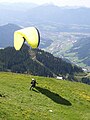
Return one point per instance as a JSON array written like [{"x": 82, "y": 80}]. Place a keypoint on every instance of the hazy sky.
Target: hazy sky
[{"x": 57, "y": 2}]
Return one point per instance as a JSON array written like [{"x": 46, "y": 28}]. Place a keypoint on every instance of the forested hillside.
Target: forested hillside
[{"x": 36, "y": 62}]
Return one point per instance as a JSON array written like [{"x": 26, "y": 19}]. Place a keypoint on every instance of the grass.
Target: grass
[{"x": 51, "y": 100}]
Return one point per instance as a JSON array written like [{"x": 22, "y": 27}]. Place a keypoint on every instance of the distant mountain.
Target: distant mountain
[
  {"x": 7, "y": 34},
  {"x": 36, "y": 62},
  {"x": 52, "y": 13},
  {"x": 14, "y": 12},
  {"x": 28, "y": 13}
]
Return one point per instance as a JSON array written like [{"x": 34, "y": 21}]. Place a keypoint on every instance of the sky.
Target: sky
[{"x": 84, "y": 3}]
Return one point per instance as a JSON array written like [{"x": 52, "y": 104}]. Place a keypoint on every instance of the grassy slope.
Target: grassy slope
[{"x": 51, "y": 100}]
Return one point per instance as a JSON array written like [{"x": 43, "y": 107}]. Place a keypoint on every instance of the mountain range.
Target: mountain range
[
  {"x": 27, "y": 13},
  {"x": 52, "y": 13}
]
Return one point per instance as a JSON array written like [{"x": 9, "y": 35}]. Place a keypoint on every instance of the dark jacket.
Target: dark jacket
[{"x": 33, "y": 83}]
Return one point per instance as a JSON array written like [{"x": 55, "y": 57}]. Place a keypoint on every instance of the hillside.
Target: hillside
[
  {"x": 51, "y": 100},
  {"x": 35, "y": 61},
  {"x": 76, "y": 50}
]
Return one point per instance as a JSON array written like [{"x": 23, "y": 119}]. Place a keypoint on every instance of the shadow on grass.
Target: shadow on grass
[
  {"x": 53, "y": 96},
  {"x": 35, "y": 90}
]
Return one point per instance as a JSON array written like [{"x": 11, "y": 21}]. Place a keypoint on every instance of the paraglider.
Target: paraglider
[
  {"x": 30, "y": 35},
  {"x": 33, "y": 84}
]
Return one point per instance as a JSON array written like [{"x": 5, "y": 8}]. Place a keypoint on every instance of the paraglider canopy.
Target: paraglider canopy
[{"x": 29, "y": 34}]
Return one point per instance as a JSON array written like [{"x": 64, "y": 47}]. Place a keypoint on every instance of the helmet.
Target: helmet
[{"x": 32, "y": 78}]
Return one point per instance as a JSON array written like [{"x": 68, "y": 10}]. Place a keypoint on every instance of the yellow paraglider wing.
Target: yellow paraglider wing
[{"x": 30, "y": 34}]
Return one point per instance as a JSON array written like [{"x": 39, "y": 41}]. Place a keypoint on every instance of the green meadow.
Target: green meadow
[{"x": 52, "y": 99}]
